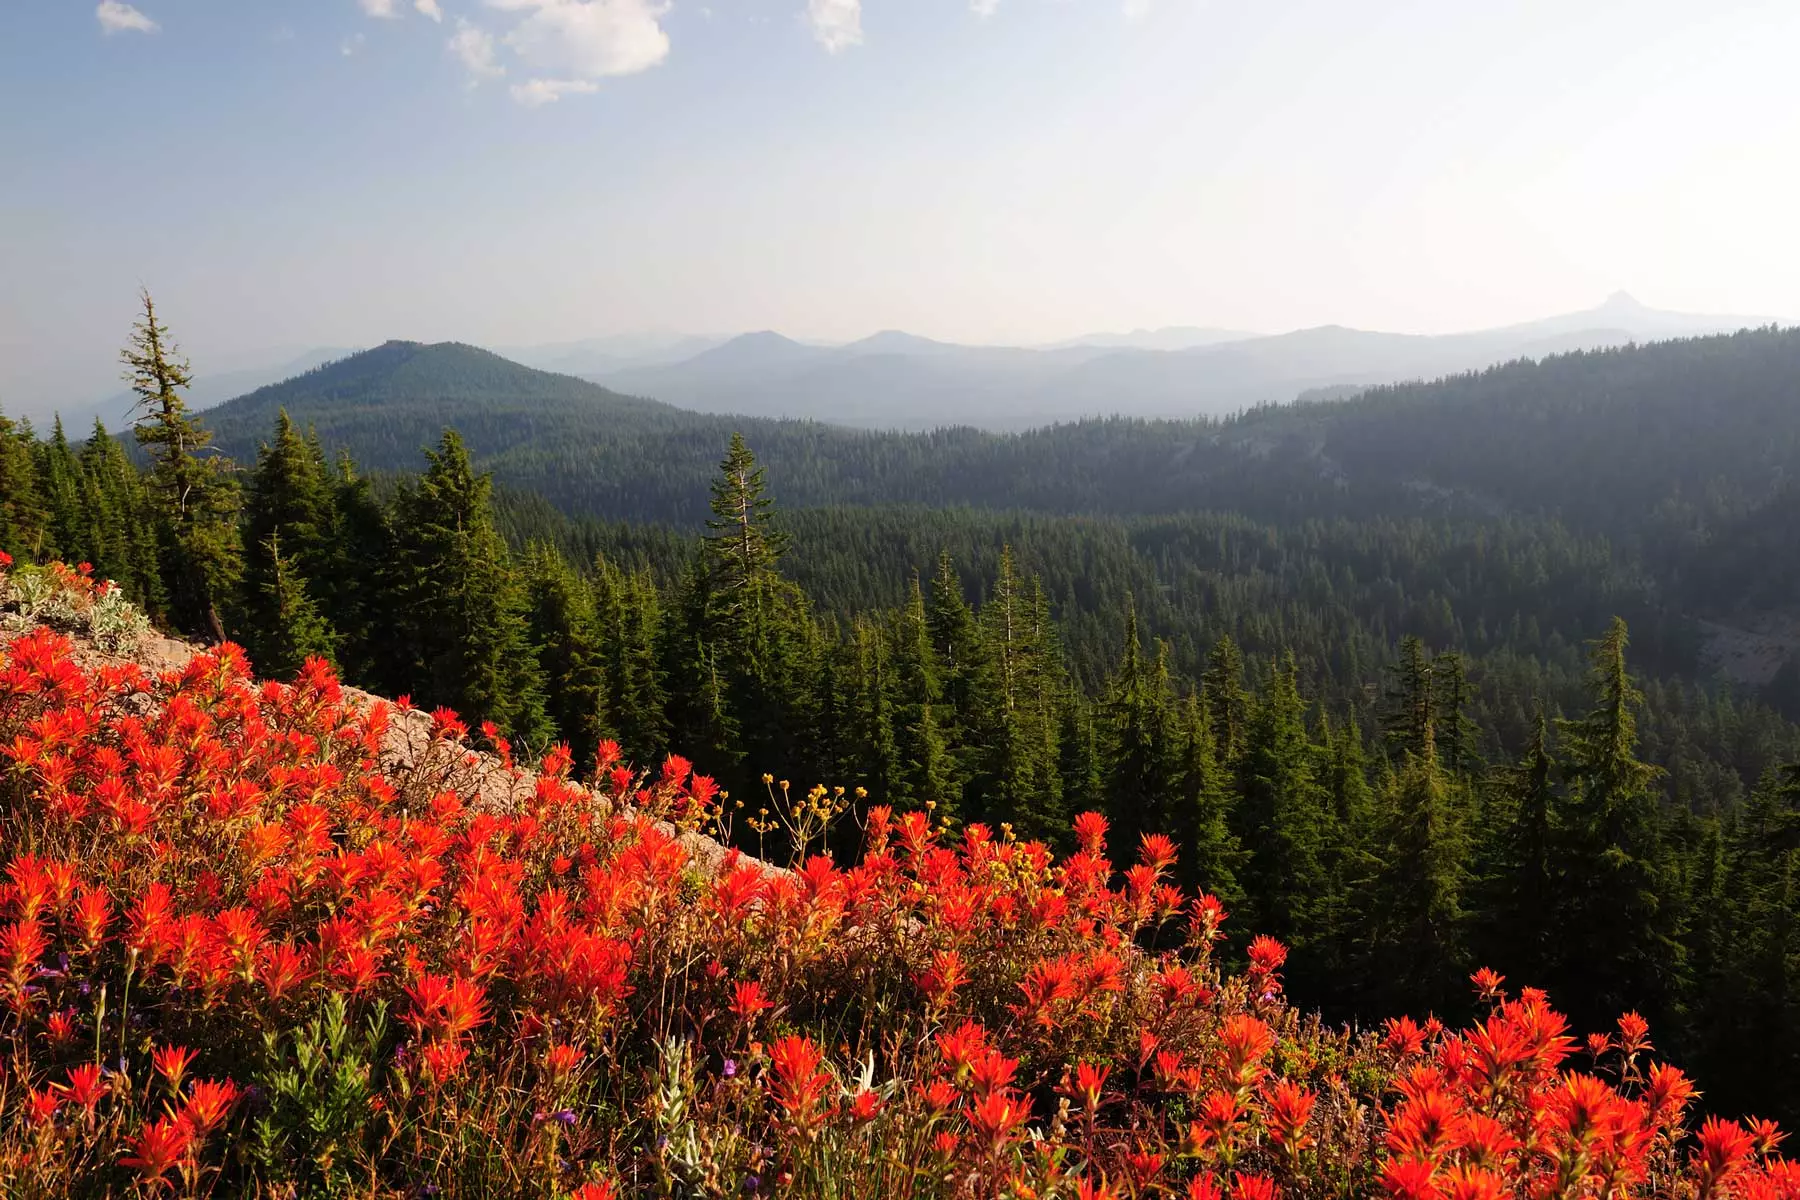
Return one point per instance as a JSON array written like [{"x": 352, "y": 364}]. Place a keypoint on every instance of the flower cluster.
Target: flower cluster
[{"x": 249, "y": 941}]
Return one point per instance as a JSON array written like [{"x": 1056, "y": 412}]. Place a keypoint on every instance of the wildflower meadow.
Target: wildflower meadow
[{"x": 253, "y": 942}]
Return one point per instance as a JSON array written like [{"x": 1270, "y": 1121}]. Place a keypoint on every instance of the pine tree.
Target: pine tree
[
  {"x": 628, "y": 611},
  {"x": 1281, "y": 817},
  {"x": 119, "y": 531},
  {"x": 458, "y": 621},
  {"x": 964, "y": 677},
  {"x": 61, "y": 482},
  {"x": 23, "y": 518},
  {"x": 1523, "y": 904},
  {"x": 1411, "y": 706},
  {"x": 1753, "y": 1012},
  {"x": 1456, "y": 733},
  {"x": 292, "y": 629},
  {"x": 354, "y": 576},
  {"x": 1212, "y": 855},
  {"x": 196, "y": 496},
  {"x": 1618, "y": 947},
  {"x": 288, "y": 519},
  {"x": 1415, "y": 927},
  {"x": 1224, "y": 700},
  {"x": 924, "y": 775},
  {"x": 1141, "y": 766},
  {"x": 563, "y": 629}
]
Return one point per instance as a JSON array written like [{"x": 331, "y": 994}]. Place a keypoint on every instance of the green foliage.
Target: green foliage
[
  {"x": 196, "y": 498},
  {"x": 457, "y": 618},
  {"x": 319, "y": 1131}
]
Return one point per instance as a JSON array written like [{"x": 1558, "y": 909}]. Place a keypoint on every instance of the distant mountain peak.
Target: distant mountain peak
[{"x": 1622, "y": 302}]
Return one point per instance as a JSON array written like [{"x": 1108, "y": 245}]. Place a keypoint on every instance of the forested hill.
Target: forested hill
[{"x": 1654, "y": 445}]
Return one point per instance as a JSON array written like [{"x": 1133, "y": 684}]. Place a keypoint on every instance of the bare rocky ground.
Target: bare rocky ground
[{"x": 1749, "y": 648}]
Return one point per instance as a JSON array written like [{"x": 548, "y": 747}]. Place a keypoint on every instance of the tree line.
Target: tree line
[{"x": 1394, "y": 844}]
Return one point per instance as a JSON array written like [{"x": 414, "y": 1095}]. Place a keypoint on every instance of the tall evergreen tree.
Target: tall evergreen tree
[
  {"x": 23, "y": 518},
  {"x": 288, "y": 518},
  {"x": 924, "y": 768},
  {"x": 1225, "y": 701},
  {"x": 459, "y": 634},
  {"x": 1141, "y": 764},
  {"x": 1618, "y": 946},
  {"x": 196, "y": 495},
  {"x": 1212, "y": 855},
  {"x": 290, "y": 627},
  {"x": 563, "y": 628}
]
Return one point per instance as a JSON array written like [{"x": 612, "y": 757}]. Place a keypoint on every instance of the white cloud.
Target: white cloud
[
  {"x": 430, "y": 8},
  {"x": 536, "y": 92},
  {"x": 983, "y": 8},
  {"x": 836, "y": 24},
  {"x": 475, "y": 47},
  {"x": 1137, "y": 8},
  {"x": 381, "y": 8},
  {"x": 583, "y": 40},
  {"x": 116, "y": 17},
  {"x": 350, "y": 45}
]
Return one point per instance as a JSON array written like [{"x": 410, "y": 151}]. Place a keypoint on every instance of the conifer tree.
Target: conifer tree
[
  {"x": 23, "y": 518},
  {"x": 288, "y": 518},
  {"x": 1224, "y": 700},
  {"x": 924, "y": 776},
  {"x": 61, "y": 482},
  {"x": 1753, "y": 1014},
  {"x": 290, "y": 627},
  {"x": 1281, "y": 816},
  {"x": 879, "y": 750},
  {"x": 120, "y": 534},
  {"x": 964, "y": 668},
  {"x": 1141, "y": 767},
  {"x": 1415, "y": 927},
  {"x": 1618, "y": 946},
  {"x": 628, "y": 612},
  {"x": 563, "y": 629},
  {"x": 458, "y": 630},
  {"x": 196, "y": 497},
  {"x": 1523, "y": 906},
  {"x": 353, "y": 569},
  {"x": 1212, "y": 855},
  {"x": 1409, "y": 720}
]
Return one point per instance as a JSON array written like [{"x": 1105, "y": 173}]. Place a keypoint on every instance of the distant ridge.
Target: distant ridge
[{"x": 899, "y": 380}]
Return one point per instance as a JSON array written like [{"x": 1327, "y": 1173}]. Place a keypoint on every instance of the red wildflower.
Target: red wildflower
[
  {"x": 864, "y": 1106},
  {"x": 158, "y": 1147},
  {"x": 748, "y": 1000},
  {"x": 1090, "y": 832},
  {"x": 996, "y": 1115},
  {"x": 562, "y": 1059},
  {"x": 1410, "y": 1179},
  {"x": 1254, "y": 1187},
  {"x": 207, "y": 1104},
  {"x": 1290, "y": 1107},
  {"x": 799, "y": 1081},
  {"x": 171, "y": 1062},
  {"x": 1243, "y": 1041},
  {"x": 1723, "y": 1150},
  {"x": 85, "y": 1086}
]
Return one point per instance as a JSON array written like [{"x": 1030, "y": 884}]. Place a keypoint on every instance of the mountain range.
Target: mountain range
[{"x": 899, "y": 381}]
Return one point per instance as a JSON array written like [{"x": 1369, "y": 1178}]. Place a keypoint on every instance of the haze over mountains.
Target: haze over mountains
[{"x": 898, "y": 380}]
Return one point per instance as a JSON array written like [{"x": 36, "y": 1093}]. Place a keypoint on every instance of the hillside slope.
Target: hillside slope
[{"x": 250, "y": 953}]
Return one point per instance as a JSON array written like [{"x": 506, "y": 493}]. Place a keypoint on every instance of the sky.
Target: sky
[{"x": 284, "y": 174}]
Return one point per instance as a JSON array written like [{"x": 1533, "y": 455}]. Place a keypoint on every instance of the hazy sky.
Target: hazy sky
[{"x": 289, "y": 173}]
